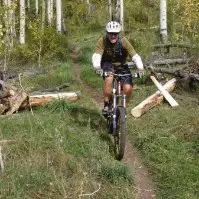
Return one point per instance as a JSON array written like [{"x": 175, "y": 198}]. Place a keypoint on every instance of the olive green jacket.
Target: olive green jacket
[{"x": 115, "y": 53}]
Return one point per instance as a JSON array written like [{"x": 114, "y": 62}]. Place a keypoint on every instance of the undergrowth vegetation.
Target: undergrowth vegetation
[
  {"x": 167, "y": 138},
  {"x": 60, "y": 150}
]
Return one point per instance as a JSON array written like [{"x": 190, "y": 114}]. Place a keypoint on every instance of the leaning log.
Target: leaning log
[
  {"x": 164, "y": 92},
  {"x": 152, "y": 100},
  {"x": 41, "y": 100}
]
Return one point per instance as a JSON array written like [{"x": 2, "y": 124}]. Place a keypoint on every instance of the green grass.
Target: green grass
[
  {"x": 61, "y": 150},
  {"x": 166, "y": 138}
]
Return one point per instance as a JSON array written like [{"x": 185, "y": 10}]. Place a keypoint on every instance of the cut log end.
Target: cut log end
[
  {"x": 136, "y": 112},
  {"x": 153, "y": 100}
]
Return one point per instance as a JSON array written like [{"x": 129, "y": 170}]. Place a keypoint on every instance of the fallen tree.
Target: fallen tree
[
  {"x": 41, "y": 100},
  {"x": 153, "y": 100},
  {"x": 13, "y": 100},
  {"x": 177, "y": 72},
  {"x": 164, "y": 92},
  {"x": 168, "y": 61}
]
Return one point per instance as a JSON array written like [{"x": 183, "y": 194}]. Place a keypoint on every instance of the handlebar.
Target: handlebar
[
  {"x": 138, "y": 74},
  {"x": 129, "y": 65}
]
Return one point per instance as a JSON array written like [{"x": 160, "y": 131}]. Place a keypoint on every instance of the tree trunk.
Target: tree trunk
[
  {"x": 36, "y": 8},
  {"x": 169, "y": 61},
  {"x": 43, "y": 14},
  {"x": 152, "y": 100},
  {"x": 164, "y": 92},
  {"x": 163, "y": 20},
  {"x": 40, "y": 100},
  {"x": 110, "y": 10},
  {"x": 58, "y": 15},
  {"x": 22, "y": 22},
  {"x": 50, "y": 11},
  {"x": 177, "y": 72}
]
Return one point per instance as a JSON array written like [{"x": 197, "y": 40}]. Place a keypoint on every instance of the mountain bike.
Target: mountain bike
[{"x": 116, "y": 116}]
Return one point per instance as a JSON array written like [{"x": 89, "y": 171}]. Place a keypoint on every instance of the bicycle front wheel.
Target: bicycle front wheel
[{"x": 120, "y": 135}]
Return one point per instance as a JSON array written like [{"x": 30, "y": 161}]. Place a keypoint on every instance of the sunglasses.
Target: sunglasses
[{"x": 113, "y": 34}]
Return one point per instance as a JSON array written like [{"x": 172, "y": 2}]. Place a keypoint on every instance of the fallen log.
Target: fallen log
[
  {"x": 15, "y": 102},
  {"x": 177, "y": 72},
  {"x": 152, "y": 100},
  {"x": 21, "y": 101},
  {"x": 40, "y": 100},
  {"x": 164, "y": 92},
  {"x": 6, "y": 93},
  {"x": 169, "y": 45},
  {"x": 168, "y": 61}
]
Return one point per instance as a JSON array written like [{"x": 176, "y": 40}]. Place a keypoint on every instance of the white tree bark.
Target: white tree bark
[
  {"x": 58, "y": 15},
  {"x": 89, "y": 6},
  {"x": 28, "y": 4},
  {"x": 43, "y": 14},
  {"x": 9, "y": 24},
  {"x": 110, "y": 10},
  {"x": 163, "y": 20},
  {"x": 120, "y": 12},
  {"x": 153, "y": 100},
  {"x": 50, "y": 11},
  {"x": 22, "y": 22},
  {"x": 36, "y": 8}
]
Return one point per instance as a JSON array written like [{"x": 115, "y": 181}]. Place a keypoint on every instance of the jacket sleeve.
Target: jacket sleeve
[
  {"x": 97, "y": 56},
  {"x": 134, "y": 56}
]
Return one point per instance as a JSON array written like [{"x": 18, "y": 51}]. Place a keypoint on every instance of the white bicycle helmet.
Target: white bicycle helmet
[{"x": 113, "y": 27}]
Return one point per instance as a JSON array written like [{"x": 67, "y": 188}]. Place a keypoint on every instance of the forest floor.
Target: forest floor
[{"x": 144, "y": 186}]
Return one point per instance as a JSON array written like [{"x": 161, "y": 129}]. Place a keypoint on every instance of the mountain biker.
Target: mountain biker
[{"x": 110, "y": 55}]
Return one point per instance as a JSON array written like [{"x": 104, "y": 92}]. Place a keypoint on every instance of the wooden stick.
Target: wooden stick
[
  {"x": 164, "y": 92},
  {"x": 1, "y": 161},
  {"x": 153, "y": 100}
]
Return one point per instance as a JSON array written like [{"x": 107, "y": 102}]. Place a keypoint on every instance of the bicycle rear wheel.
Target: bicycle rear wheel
[{"x": 120, "y": 135}]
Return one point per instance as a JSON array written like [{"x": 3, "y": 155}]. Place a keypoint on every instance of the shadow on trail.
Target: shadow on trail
[{"x": 84, "y": 116}]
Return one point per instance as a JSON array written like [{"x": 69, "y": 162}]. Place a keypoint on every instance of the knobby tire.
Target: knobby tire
[{"x": 120, "y": 136}]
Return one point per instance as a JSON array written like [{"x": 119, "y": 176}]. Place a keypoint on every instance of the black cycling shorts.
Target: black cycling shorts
[{"x": 123, "y": 69}]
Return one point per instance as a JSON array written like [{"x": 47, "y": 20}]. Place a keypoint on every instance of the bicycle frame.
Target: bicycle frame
[
  {"x": 118, "y": 98},
  {"x": 116, "y": 117}
]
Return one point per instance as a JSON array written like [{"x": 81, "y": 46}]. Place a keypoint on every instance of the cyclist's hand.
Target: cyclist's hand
[{"x": 108, "y": 73}]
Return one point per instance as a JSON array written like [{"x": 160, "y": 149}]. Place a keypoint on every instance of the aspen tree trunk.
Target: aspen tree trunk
[
  {"x": 89, "y": 6},
  {"x": 8, "y": 39},
  {"x": 22, "y": 22},
  {"x": 63, "y": 24},
  {"x": 120, "y": 12},
  {"x": 36, "y": 8},
  {"x": 110, "y": 10},
  {"x": 58, "y": 16},
  {"x": 50, "y": 11},
  {"x": 13, "y": 24},
  {"x": 117, "y": 10},
  {"x": 28, "y": 4},
  {"x": 43, "y": 14},
  {"x": 163, "y": 20}
]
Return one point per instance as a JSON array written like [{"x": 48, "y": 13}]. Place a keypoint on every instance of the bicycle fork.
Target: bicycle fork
[{"x": 117, "y": 95}]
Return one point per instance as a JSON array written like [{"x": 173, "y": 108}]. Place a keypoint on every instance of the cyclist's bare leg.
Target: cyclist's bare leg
[
  {"x": 128, "y": 91},
  {"x": 107, "y": 88}
]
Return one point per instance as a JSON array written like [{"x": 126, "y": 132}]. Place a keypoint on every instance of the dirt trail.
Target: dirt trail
[{"x": 144, "y": 185}]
